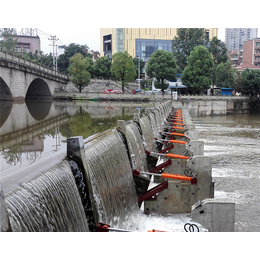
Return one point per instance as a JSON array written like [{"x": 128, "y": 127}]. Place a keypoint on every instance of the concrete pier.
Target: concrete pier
[
  {"x": 181, "y": 195},
  {"x": 217, "y": 215},
  {"x": 4, "y": 218},
  {"x": 76, "y": 152}
]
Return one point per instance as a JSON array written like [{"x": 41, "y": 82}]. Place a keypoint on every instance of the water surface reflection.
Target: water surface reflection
[{"x": 35, "y": 133}]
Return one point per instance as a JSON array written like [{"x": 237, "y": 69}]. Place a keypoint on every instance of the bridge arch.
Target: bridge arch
[
  {"x": 5, "y": 92},
  {"x": 38, "y": 89}
]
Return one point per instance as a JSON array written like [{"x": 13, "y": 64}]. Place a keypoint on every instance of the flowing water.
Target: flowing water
[
  {"x": 38, "y": 205},
  {"x": 233, "y": 143},
  {"x": 149, "y": 143},
  {"x": 112, "y": 181},
  {"x": 136, "y": 148}
]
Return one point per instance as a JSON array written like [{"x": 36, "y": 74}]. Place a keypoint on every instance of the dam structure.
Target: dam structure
[{"x": 154, "y": 161}]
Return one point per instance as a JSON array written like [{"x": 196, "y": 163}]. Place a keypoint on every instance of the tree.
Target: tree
[
  {"x": 91, "y": 68},
  {"x": 9, "y": 40},
  {"x": 197, "y": 75},
  {"x": 184, "y": 43},
  {"x": 102, "y": 68},
  {"x": 123, "y": 68},
  {"x": 218, "y": 50},
  {"x": 78, "y": 71},
  {"x": 251, "y": 82},
  {"x": 225, "y": 75},
  {"x": 162, "y": 66},
  {"x": 70, "y": 51}
]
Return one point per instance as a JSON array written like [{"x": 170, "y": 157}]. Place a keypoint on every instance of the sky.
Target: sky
[{"x": 80, "y": 21}]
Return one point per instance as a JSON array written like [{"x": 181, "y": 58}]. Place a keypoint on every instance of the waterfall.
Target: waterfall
[
  {"x": 49, "y": 202},
  {"x": 158, "y": 117},
  {"x": 112, "y": 182},
  {"x": 136, "y": 148},
  {"x": 154, "y": 125},
  {"x": 148, "y": 136}
]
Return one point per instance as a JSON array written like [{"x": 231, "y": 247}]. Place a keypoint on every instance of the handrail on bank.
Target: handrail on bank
[{"x": 141, "y": 96}]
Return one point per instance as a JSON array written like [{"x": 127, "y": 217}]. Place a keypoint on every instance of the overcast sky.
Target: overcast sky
[{"x": 80, "y": 22}]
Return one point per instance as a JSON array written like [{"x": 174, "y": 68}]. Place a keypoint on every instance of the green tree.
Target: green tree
[
  {"x": 102, "y": 68},
  {"x": 162, "y": 66},
  {"x": 78, "y": 71},
  {"x": 239, "y": 81},
  {"x": 251, "y": 82},
  {"x": 226, "y": 75},
  {"x": 9, "y": 40},
  {"x": 91, "y": 68},
  {"x": 198, "y": 73},
  {"x": 218, "y": 50},
  {"x": 123, "y": 68},
  {"x": 70, "y": 51},
  {"x": 184, "y": 43}
]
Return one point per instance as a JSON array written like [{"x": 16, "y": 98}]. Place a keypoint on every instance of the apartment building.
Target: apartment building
[
  {"x": 140, "y": 42},
  {"x": 234, "y": 57},
  {"x": 234, "y": 37},
  {"x": 28, "y": 44},
  {"x": 251, "y": 52}
]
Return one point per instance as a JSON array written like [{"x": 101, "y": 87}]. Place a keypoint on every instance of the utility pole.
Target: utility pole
[{"x": 53, "y": 39}]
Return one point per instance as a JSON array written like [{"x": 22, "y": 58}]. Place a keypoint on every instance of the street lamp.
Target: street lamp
[{"x": 139, "y": 72}]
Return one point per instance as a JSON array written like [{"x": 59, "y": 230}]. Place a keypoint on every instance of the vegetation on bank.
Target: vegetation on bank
[{"x": 200, "y": 61}]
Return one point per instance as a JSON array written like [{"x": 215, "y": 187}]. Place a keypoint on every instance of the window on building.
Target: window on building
[
  {"x": 145, "y": 47},
  {"x": 107, "y": 42}
]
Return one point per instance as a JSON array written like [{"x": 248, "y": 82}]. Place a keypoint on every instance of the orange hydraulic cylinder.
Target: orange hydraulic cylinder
[
  {"x": 177, "y": 120},
  {"x": 178, "y": 124},
  {"x": 179, "y": 134},
  {"x": 177, "y": 142},
  {"x": 176, "y": 177},
  {"x": 177, "y": 156}
]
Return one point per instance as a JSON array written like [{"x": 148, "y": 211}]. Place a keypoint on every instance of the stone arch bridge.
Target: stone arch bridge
[{"x": 24, "y": 80}]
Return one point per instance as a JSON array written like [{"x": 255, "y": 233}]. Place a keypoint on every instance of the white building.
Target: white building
[{"x": 234, "y": 37}]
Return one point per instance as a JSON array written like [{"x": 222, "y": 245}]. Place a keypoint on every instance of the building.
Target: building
[
  {"x": 28, "y": 44},
  {"x": 234, "y": 57},
  {"x": 140, "y": 42},
  {"x": 251, "y": 52},
  {"x": 27, "y": 40},
  {"x": 243, "y": 66},
  {"x": 234, "y": 37}
]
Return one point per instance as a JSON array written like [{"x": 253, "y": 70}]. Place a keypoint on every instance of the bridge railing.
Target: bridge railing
[{"x": 17, "y": 59}]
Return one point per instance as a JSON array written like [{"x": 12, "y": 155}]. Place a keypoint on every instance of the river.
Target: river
[{"x": 233, "y": 143}]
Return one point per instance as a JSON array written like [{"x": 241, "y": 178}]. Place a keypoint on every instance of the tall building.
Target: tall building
[
  {"x": 251, "y": 52},
  {"x": 140, "y": 42},
  {"x": 234, "y": 37}
]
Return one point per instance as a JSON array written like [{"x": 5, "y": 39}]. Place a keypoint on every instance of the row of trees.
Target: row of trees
[{"x": 200, "y": 61}]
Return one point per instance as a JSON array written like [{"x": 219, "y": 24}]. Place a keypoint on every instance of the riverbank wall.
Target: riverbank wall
[{"x": 196, "y": 105}]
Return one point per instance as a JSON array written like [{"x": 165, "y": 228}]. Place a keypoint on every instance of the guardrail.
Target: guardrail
[
  {"x": 205, "y": 97},
  {"x": 24, "y": 62},
  {"x": 143, "y": 96}
]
